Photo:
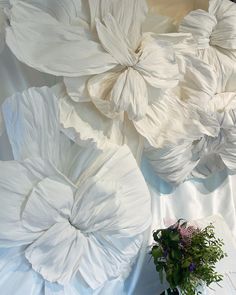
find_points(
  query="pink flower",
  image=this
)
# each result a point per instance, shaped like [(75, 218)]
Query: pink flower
[(186, 233)]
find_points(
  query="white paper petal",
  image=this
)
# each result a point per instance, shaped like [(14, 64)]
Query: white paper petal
[(223, 102), (223, 65), (53, 47), (100, 88), (15, 185), (173, 163), (113, 40), (99, 212), (65, 11), (193, 23), (86, 125), (198, 81), (157, 62), (216, 27), (129, 94), (224, 34), (33, 128), (165, 121), (207, 167), (63, 245), (49, 202), (114, 93), (76, 87), (228, 152), (109, 264), (123, 196), (130, 17), (27, 117)]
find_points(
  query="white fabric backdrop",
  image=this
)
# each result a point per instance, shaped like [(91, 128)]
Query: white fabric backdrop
[(191, 200)]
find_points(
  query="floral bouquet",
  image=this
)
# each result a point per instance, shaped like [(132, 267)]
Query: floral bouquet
[(187, 256)]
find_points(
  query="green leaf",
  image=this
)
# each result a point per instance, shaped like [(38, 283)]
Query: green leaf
[(157, 252), (186, 263), (175, 254), (176, 277), (159, 267), (161, 275), (174, 236)]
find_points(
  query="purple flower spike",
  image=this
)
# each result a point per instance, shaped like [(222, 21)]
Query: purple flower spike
[(192, 267)]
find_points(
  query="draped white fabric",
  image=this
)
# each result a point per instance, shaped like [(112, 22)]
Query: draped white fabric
[(62, 169)]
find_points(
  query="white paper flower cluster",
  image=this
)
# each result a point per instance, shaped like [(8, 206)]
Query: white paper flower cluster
[(122, 83)]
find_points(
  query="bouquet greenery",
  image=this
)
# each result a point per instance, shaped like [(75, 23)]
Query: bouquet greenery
[(187, 256)]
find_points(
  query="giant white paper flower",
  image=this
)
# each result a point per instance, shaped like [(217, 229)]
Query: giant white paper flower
[(215, 32), (114, 73), (203, 154), (76, 215), (124, 61)]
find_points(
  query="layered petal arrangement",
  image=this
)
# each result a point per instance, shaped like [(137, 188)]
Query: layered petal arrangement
[(115, 74), (202, 155), (69, 213), (125, 62), (215, 32)]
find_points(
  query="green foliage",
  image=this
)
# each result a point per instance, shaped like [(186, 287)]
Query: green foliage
[(187, 256)]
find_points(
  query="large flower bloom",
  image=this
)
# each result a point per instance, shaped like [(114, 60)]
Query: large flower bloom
[(215, 32), (114, 73), (69, 212), (201, 155)]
